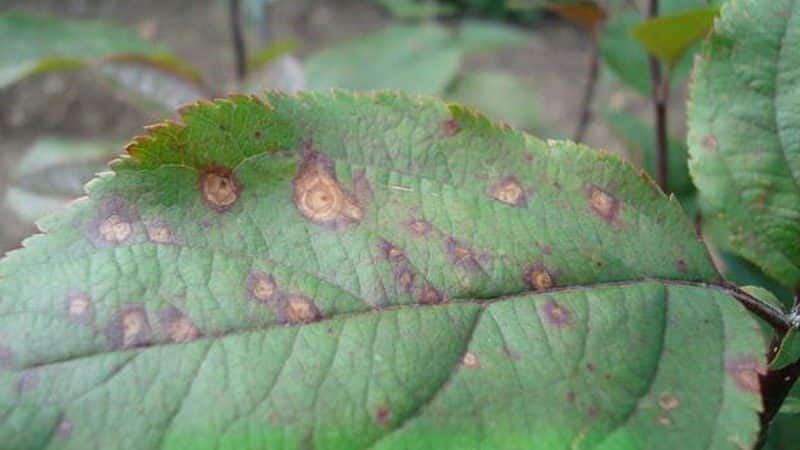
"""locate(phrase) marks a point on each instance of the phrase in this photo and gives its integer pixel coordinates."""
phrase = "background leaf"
(53, 173)
(369, 271)
(669, 37)
(744, 134)
(498, 94)
(32, 44)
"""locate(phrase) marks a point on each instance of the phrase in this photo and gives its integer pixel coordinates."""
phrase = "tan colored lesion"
(539, 278)
(509, 191)
(318, 195)
(220, 188)
(300, 310)
(115, 229)
(604, 205)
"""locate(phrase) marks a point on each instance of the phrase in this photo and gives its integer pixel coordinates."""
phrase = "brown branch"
(585, 117)
(239, 52)
(660, 92)
(776, 318)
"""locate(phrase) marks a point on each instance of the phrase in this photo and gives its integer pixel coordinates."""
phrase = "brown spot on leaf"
(709, 142)
(420, 228)
(300, 310)
(261, 286)
(114, 229)
(430, 295)
(362, 186)
(130, 328)
(406, 277)
(681, 263)
(28, 381)
(160, 233)
(556, 314)
(664, 420)
(745, 371)
(604, 205)
(220, 188)
(470, 361)
(570, 397)
(538, 277)
(318, 195)
(178, 327)
(383, 415)
(547, 250)
(6, 356)
(509, 191)
(461, 254)
(64, 429)
(79, 307)
(450, 127)
(668, 401)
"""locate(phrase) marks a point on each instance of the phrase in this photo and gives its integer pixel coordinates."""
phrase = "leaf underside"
(744, 134)
(369, 271)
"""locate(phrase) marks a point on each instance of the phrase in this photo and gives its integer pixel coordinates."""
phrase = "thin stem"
(776, 318)
(660, 91)
(239, 52)
(585, 117)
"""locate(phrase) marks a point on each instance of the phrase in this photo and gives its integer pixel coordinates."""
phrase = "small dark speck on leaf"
(709, 142)
(64, 429)
(450, 127)
(681, 263)
(383, 415)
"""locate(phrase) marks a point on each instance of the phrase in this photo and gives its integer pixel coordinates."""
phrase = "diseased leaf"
(53, 173)
(369, 271)
(32, 44)
(745, 132)
(669, 37)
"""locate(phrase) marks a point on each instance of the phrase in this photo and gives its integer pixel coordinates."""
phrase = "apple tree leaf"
(370, 271)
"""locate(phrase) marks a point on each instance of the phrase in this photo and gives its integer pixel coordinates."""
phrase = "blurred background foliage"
(80, 77)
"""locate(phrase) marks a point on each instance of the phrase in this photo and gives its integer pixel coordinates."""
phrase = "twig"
(776, 318)
(239, 52)
(585, 117)
(660, 87)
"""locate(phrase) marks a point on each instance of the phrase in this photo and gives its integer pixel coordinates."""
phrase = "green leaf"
(421, 59)
(669, 37)
(369, 271)
(788, 352)
(790, 406)
(160, 83)
(498, 94)
(640, 138)
(744, 134)
(53, 173)
(627, 60)
(32, 44)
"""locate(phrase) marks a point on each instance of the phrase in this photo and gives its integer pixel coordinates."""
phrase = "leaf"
(788, 352)
(286, 73)
(744, 132)
(482, 36)
(421, 59)
(53, 173)
(33, 44)
(669, 37)
(791, 406)
(369, 271)
(588, 15)
(498, 94)
(627, 60)
(784, 431)
(153, 82)
(641, 139)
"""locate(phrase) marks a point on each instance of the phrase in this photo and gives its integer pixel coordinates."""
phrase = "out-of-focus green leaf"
(417, 9)
(158, 82)
(52, 173)
(500, 95)
(480, 36)
(286, 73)
(669, 37)
(420, 59)
(744, 132)
(33, 44)
(790, 406)
(788, 352)
(379, 271)
(627, 60)
(271, 52)
(640, 138)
